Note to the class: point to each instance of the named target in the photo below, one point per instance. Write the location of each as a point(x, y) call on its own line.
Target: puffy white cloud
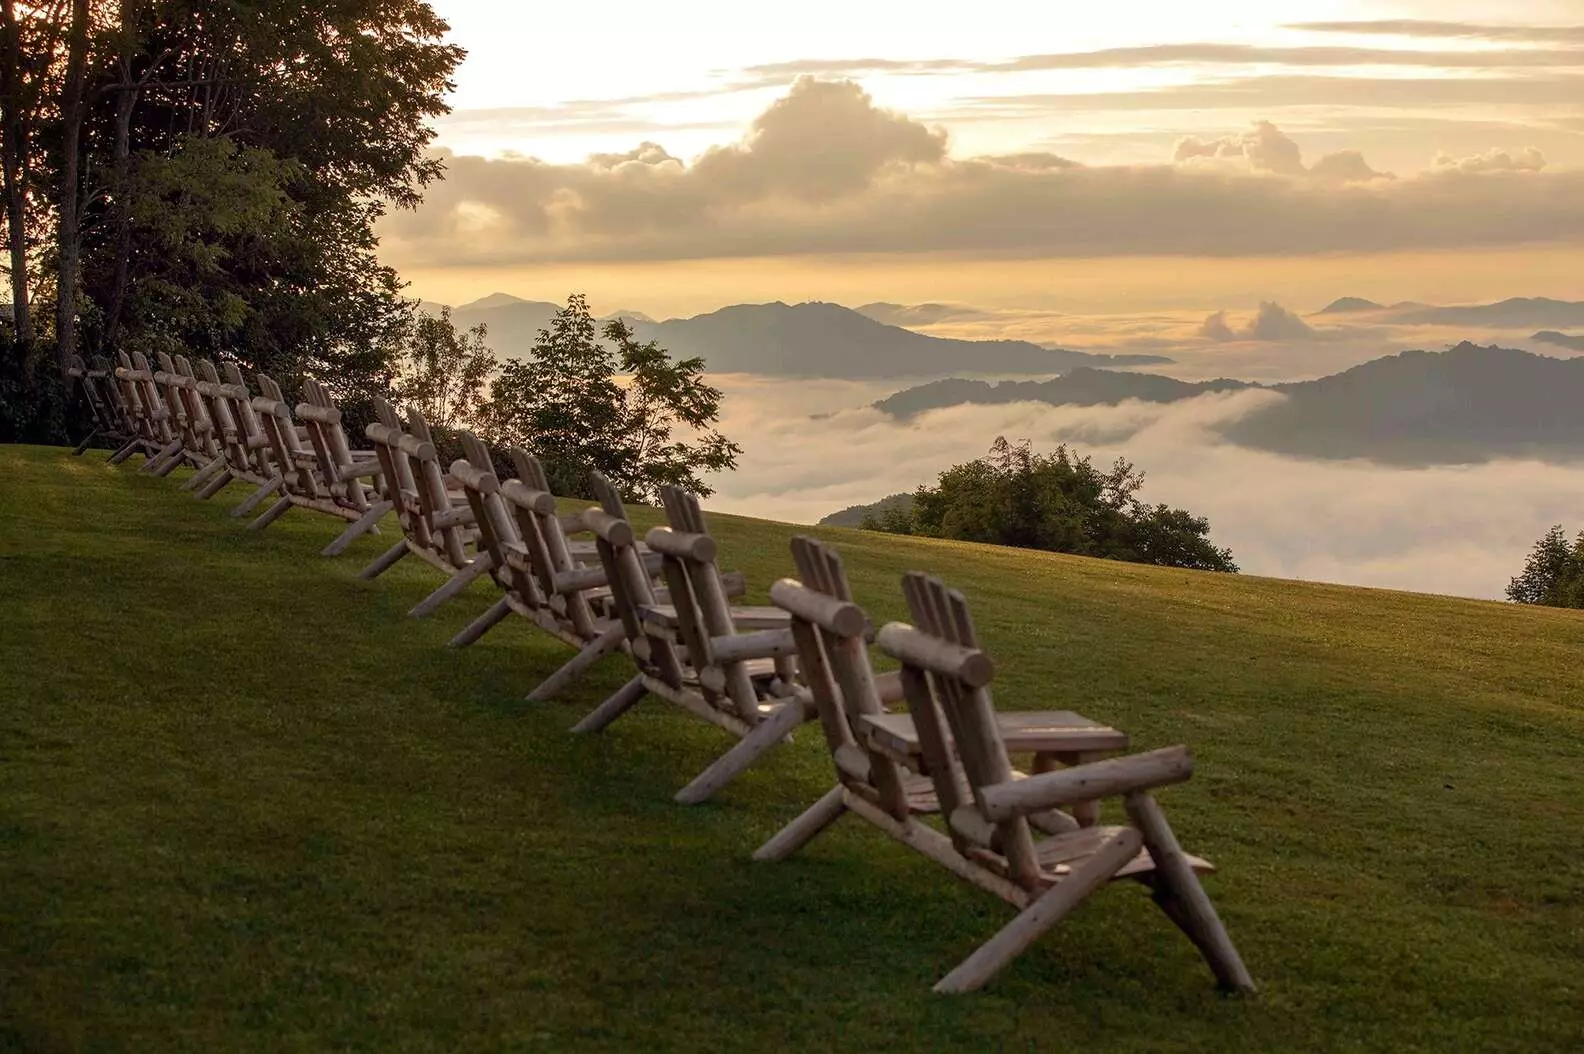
point(1272, 322)
point(824, 170)
point(1527, 160)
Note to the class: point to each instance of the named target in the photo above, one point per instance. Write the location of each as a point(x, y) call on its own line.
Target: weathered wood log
point(1191, 908)
point(622, 700)
point(991, 956)
point(841, 617)
point(802, 831)
point(1098, 779)
point(685, 545)
point(916, 648)
point(608, 641)
point(483, 624)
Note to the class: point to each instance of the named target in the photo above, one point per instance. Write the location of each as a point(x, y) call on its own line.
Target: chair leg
point(282, 505)
point(215, 486)
point(171, 464)
point(805, 828)
point(155, 463)
point(127, 450)
point(451, 587)
point(87, 441)
point(203, 475)
point(483, 624)
point(1179, 893)
point(254, 500)
point(385, 561)
point(766, 734)
point(587, 656)
point(621, 701)
point(365, 523)
point(1044, 912)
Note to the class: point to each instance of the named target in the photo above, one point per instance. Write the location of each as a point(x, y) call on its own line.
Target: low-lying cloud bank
point(824, 170)
point(1461, 530)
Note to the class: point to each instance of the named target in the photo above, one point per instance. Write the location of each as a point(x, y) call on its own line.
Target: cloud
point(1205, 53)
point(825, 171)
point(1529, 160)
point(1266, 148)
point(1458, 530)
point(1410, 27)
point(1272, 322)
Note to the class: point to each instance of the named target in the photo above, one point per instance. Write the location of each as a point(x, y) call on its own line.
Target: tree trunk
point(13, 162)
point(73, 104)
point(126, 98)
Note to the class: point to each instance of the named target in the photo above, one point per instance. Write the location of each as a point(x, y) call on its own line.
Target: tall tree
point(73, 113)
point(591, 398)
point(443, 372)
point(1553, 574)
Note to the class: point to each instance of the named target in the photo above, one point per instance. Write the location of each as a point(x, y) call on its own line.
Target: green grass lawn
point(246, 803)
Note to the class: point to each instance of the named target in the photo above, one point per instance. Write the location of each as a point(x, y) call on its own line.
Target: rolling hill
point(798, 340)
point(1464, 405)
point(247, 803)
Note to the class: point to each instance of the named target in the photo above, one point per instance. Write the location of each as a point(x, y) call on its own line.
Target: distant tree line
point(1059, 502)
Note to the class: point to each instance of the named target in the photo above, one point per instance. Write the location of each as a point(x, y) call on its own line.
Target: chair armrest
point(764, 644)
point(1098, 779)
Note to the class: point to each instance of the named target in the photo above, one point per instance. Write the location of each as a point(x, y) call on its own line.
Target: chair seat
point(746, 619)
point(1059, 853)
point(1027, 731)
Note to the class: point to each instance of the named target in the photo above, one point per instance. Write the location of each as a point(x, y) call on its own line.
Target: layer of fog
point(1458, 530)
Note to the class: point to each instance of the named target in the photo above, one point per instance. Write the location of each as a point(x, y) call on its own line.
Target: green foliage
point(1553, 575)
point(442, 372)
point(1059, 502)
point(569, 404)
point(235, 156)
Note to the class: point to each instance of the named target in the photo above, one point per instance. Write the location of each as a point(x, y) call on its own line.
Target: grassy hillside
point(246, 803)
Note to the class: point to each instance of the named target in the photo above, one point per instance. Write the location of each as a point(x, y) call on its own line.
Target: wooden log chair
point(190, 418)
point(156, 438)
point(541, 571)
point(111, 420)
point(990, 811)
point(243, 446)
point(317, 469)
point(341, 470)
point(436, 521)
point(732, 666)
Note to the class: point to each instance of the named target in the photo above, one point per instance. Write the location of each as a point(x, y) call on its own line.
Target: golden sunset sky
point(672, 158)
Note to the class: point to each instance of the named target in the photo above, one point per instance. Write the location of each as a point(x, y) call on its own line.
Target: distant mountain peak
point(493, 300)
point(1346, 304)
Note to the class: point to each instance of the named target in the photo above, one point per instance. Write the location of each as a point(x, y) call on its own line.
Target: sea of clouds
point(811, 448)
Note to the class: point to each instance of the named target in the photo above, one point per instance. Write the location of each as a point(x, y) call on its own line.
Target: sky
point(675, 158)
point(1117, 176)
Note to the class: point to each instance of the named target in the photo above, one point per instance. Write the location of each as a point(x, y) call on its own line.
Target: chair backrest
point(144, 395)
point(498, 533)
point(631, 586)
point(833, 661)
point(321, 420)
point(415, 484)
point(548, 554)
point(250, 429)
point(280, 428)
point(946, 679)
point(698, 594)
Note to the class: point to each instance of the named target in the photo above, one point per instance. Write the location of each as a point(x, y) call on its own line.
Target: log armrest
point(762, 644)
point(1082, 783)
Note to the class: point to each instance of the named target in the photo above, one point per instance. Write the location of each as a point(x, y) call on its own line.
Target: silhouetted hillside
point(1083, 386)
point(801, 340)
point(853, 515)
point(1465, 405)
point(1346, 304)
point(1468, 404)
point(1561, 340)
point(1519, 312)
